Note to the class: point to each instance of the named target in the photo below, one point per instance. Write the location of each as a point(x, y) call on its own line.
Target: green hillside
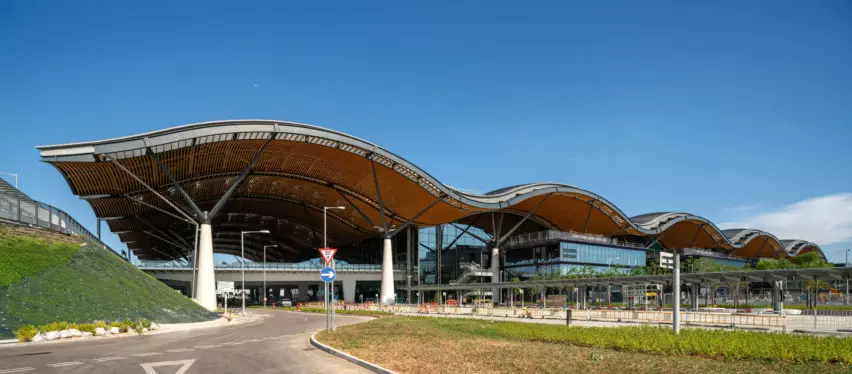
point(48, 277)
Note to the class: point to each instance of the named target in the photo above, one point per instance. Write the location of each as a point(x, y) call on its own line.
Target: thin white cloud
point(743, 209)
point(256, 85)
point(823, 220)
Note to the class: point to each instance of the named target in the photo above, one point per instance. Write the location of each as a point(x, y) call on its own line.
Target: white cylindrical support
point(387, 292)
point(206, 285)
point(495, 274)
point(676, 292)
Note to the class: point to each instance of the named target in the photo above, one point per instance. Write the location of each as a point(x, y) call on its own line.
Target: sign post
point(327, 275)
point(225, 288)
point(328, 256)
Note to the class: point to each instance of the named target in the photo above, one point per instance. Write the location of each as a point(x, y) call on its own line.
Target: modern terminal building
point(178, 195)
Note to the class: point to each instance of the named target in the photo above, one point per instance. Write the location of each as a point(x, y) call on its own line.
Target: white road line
point(238, 343)
point(15, 370)
point(208, 346)
point(61, 364)
point(146, 354)
point(113, 358)
point(181, 350)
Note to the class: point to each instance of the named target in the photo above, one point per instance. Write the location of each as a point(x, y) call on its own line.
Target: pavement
point(273, 342)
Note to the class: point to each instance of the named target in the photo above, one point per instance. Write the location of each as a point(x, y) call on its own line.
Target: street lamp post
point(243, 261)
point(329, 287)
point(264, 271)
point(846, 264)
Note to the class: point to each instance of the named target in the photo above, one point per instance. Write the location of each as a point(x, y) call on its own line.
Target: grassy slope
point(88, 285)
point(428, 345)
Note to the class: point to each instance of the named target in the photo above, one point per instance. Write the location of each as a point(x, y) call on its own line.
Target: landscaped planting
point(30, 333)
point(354, 312)
point(90, 285)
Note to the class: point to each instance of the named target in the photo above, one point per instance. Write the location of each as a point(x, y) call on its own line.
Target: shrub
point(125, 325)
point(26, 333)
point(115, 324)
point(54, 326)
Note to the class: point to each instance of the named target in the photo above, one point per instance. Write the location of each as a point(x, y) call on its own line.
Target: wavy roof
point(301, 168)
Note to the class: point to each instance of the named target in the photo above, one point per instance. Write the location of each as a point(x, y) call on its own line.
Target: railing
point(16, 207)
point(543, 236)
point(707, 253)
point(270, 266)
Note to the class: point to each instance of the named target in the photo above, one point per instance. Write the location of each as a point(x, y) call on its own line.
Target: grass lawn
point(428, 345)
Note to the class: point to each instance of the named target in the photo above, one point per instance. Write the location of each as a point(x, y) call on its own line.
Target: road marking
point(238, 343)
point(16, 370)
point(181, 350)
point(61, 364)
point(113, 358)
point(146, 354)
point(208, 346)
point(185, 364)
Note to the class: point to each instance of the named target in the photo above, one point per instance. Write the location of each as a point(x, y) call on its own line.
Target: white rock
point(100, 331)
point(86, 334)
point(114, 330)
point(51, 335)
point(75, 333)
point(144, 329)
point(65, 334)
point(154, 326)
point(38, 337)
point(130, 329)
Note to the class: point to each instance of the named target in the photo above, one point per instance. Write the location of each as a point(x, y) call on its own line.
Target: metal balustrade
point(18, 208)
point(550, 235)
point(270, 266)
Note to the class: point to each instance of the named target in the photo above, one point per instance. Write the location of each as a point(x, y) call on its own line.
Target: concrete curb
point(355, 360)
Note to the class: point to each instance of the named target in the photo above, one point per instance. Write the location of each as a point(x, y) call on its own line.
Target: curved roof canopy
point(279, 176)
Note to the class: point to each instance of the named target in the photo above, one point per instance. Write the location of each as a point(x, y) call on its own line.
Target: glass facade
point(567, 258)
point(458, 246)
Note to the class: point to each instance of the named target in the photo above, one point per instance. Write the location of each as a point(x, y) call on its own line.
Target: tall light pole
point(329, 288)
point(846, 265)
point(243, 261)
point(264, 271)
point(14, 175)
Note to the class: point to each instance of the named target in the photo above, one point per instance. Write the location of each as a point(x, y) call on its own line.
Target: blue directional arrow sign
point(328, 274)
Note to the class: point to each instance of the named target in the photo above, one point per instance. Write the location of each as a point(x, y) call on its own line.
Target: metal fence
point(270, 266)
point(17, 207)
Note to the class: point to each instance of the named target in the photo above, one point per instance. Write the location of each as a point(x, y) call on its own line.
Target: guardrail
point(687, 318)
point(17, 208)
point(270, 266)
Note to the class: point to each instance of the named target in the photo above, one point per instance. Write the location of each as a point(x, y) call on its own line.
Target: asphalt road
point(275, 344)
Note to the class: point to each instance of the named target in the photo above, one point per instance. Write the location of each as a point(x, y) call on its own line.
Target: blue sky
point(733, 110)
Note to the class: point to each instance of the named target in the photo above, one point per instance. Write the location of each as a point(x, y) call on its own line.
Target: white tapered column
point(495, 274)
point(206, 288)
point(387, 293)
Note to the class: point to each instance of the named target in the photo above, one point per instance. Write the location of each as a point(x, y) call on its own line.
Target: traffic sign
point(327, 254)
point(222, 287)
point(328, 274)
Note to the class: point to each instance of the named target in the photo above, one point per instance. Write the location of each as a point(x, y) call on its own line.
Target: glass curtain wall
point(459, 246)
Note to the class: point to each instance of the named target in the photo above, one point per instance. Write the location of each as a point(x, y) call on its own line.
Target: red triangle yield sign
point(327, 254)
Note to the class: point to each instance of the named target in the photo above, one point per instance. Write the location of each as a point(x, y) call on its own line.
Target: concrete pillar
point(349, 291)
point(495, 274)
point(206, 288)
point(693, 295)
point(387, 293)
point(303, 292)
